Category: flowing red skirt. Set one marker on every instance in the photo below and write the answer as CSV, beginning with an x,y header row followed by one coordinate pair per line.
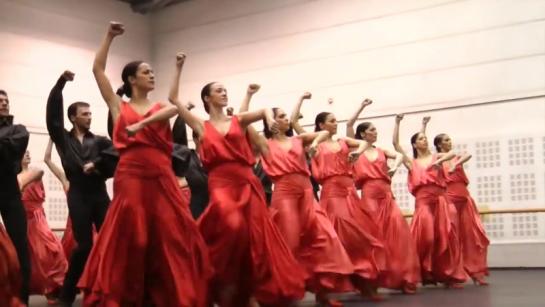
x,y
47,258
358,232
472,235
10,275
248,252
435,230
403,263
310,235
149,250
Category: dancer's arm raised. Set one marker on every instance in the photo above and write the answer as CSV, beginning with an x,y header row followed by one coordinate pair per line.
x,y
407,161
350,132
425,121
196,123
245,105
294,119
99,69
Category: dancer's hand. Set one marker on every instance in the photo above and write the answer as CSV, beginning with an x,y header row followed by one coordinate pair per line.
x,y
88,168
253,88
116,29
180,59
230,111
399,117
312,150
306,95
353,156
366,102
134,128
190,105
392,171
273,125
68,75
452,168
426,120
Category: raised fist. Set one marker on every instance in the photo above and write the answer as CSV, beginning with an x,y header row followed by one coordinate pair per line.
x,y
253,88
180,59
116,28
426,119
68,75
399,117
306,95
366,102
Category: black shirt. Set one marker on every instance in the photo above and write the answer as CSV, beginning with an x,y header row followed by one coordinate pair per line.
x,y
75,154
13,144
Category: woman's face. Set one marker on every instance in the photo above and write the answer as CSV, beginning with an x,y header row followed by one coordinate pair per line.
x,y
144,79
421,142
446,144
217,96
26,159
282,119
330,124
370,134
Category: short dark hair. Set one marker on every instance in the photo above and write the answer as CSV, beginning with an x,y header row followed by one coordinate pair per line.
x,y
2,92
73,108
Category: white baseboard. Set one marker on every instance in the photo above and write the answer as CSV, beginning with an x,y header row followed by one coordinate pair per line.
x,y
522,254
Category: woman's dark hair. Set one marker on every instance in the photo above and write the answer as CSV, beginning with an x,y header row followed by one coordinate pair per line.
x,y
438,140
413,141
128,71
267,131
206,92
320,119
361,129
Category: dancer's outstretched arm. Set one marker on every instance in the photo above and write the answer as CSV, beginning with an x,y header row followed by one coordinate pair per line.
x,y
350,132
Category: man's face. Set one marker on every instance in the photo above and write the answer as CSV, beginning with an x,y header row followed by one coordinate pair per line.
x,y
4,105
83,118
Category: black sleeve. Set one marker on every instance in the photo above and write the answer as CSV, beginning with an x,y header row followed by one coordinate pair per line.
x,y
54,115
13,143
106,161
110,125
179,131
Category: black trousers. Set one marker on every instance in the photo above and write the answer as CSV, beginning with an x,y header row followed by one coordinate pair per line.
x,y
86,208
14,217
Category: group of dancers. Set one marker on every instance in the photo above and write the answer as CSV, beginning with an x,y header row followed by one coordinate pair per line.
x,y
195,227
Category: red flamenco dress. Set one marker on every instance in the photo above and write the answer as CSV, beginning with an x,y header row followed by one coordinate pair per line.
x,y
303,223
249,254
471,231
149,250
434,227
10,274
355,227
47,258
378,200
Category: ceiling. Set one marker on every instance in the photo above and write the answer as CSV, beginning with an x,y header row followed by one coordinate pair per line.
x,y
148,6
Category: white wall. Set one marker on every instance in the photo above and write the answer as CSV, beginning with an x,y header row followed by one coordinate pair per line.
x,y
444,58
439,57
41,39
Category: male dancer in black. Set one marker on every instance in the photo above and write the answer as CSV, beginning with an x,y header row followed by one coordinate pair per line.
x,y
13,144
81,156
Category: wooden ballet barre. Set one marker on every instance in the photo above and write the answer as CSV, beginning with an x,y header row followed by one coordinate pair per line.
x,y
498,211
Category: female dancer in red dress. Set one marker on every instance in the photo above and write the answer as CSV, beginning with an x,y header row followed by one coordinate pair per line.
x,y
471,230
373,177
47,258
434,226
303,223
332,168
149,250
10,275
248,252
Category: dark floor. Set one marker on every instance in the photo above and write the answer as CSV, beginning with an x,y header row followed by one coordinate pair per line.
x,y
508,288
